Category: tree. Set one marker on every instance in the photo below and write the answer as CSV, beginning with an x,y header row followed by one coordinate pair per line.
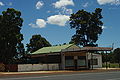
x,y
10,35
37,42
107,57
20,51
116,54
88,27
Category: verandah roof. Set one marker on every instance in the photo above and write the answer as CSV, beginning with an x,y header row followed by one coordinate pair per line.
x,y
97,48
89,49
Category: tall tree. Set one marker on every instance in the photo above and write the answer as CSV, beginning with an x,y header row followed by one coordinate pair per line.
x,y
37,42
88,27
10,35
116,54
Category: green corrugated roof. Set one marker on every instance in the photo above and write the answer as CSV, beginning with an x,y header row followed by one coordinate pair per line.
x,y
52,49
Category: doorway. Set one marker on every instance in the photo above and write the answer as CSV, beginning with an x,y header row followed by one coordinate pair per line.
x,y
75,64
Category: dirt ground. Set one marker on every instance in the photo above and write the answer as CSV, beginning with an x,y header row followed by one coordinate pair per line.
x,y
58,72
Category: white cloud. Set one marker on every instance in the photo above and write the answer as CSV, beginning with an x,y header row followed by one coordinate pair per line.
x,y
58,20
103,27
33,25
63,3
10,4
40,23
66,11
7,4
112,2
85,5
39,4
48,11
1,4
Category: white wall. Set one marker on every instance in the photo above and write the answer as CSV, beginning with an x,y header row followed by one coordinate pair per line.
x,y
98,57
37,67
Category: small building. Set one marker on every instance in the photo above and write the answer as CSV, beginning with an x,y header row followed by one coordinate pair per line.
x,y
70,56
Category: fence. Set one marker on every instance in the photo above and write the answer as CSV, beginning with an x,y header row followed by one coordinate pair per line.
x,y
36,67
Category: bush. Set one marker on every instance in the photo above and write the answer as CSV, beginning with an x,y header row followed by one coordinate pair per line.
x,y
2,67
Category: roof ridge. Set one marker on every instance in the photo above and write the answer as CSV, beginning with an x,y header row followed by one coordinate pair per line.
x,y
59,45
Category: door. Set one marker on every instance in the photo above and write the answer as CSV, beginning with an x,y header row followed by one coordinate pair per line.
x,y
75,64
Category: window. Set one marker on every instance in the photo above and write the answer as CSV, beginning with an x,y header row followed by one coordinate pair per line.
x,y
81,62
94,61
69,61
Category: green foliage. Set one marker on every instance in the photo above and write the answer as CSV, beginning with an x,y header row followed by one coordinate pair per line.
x,y
116,54
10,36
88,27
20,51
107,57
113,57
37,42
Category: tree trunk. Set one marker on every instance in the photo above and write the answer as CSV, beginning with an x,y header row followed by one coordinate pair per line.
x,y
119,63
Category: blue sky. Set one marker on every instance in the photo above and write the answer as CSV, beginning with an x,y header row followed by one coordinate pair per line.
x,y
50,18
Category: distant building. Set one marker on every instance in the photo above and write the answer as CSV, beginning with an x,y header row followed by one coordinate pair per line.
x,y
70,56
